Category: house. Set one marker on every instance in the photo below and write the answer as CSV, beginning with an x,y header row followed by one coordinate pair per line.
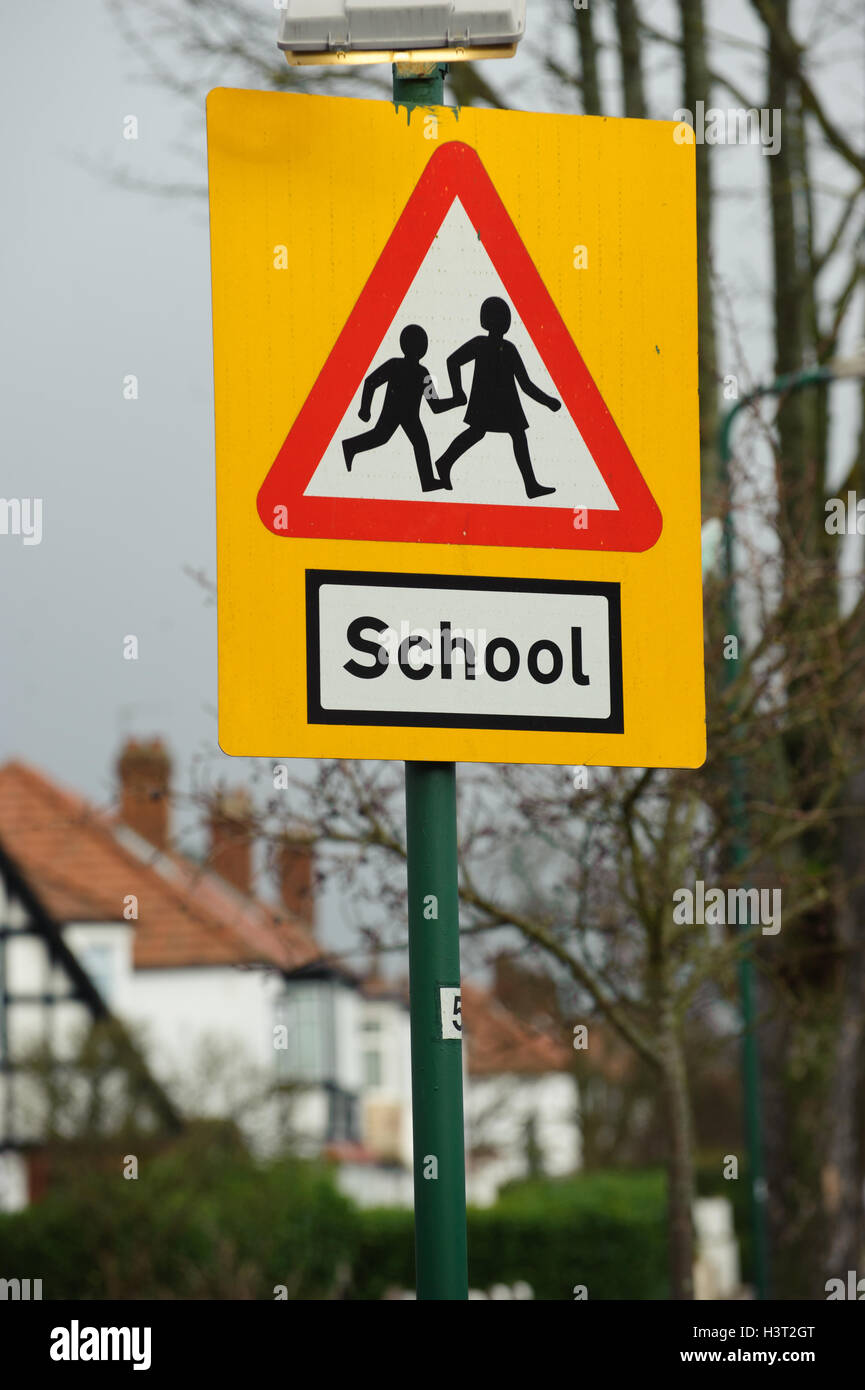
x,y
227,1004
520,1098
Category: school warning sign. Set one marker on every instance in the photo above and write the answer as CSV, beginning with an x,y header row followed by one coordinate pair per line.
x,y
457,462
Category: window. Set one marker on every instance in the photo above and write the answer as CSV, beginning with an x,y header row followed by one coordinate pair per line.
x,y
342,1117
98,960
372,1067
308,1051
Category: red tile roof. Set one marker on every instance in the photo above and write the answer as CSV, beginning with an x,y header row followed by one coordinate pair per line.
x,y
498,1042
82,864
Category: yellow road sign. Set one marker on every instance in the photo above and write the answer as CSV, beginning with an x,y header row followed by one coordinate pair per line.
x,y
455,367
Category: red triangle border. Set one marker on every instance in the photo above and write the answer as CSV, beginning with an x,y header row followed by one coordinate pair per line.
x,y
455,171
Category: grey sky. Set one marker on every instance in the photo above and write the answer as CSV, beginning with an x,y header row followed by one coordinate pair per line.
x,y
97,283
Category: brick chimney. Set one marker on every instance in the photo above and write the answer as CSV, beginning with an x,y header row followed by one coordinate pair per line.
x,y
144,770
295,868
231,838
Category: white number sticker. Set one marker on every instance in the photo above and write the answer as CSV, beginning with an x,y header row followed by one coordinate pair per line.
x,y
452,1022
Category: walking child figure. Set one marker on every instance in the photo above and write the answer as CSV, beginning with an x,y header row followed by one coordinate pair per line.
x,y
494,405
408,383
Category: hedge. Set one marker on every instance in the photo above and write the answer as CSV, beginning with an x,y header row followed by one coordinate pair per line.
x,y
191,1226
603,1231
200,1225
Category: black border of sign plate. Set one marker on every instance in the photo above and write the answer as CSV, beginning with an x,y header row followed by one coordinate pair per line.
x,y
316,714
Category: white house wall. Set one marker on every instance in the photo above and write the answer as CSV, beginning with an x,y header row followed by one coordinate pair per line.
x,y
497,1110
402,1044
32,1026
116,939
307,1112
393,1042
207,1032
14,1182
209,1036
12,912
372,1186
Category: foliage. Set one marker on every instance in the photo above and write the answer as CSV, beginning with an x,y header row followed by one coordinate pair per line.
x,y
204,1221
606,1231
199,1222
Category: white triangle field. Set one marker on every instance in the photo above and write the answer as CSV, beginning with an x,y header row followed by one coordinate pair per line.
x,y
445,298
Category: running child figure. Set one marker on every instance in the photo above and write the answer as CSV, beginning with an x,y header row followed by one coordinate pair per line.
x,y
408,383
494,405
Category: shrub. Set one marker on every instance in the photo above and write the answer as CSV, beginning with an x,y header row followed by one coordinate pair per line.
x,y
206,1221
604,1230
192,1225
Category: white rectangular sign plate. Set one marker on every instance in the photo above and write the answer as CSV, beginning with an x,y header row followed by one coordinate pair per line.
x,y
472,653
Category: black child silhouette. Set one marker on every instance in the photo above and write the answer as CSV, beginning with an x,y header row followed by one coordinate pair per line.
x,y
494,404
408,384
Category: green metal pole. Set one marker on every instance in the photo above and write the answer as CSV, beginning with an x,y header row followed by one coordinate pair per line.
x,y
434,960
436,1024
758,1192
418,84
